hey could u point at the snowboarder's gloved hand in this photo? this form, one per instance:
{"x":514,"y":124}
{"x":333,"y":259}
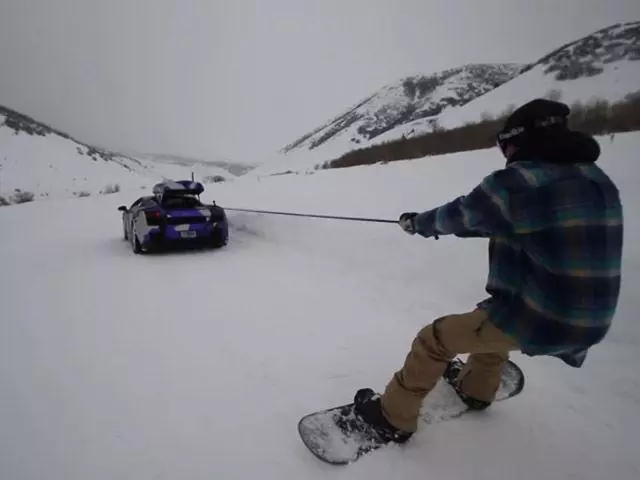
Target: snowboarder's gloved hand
{"x":406,"y":222}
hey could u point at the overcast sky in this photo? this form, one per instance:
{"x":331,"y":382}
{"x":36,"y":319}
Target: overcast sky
{"x":241,"y":78}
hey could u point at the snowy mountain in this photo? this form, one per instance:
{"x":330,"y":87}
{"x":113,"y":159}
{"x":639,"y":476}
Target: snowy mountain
{"x":37,"y":158}
{"x":409,"y":99}
{"x":605,"y":64}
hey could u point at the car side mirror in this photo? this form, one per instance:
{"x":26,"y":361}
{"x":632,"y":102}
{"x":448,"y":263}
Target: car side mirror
{"x":122,"y":208}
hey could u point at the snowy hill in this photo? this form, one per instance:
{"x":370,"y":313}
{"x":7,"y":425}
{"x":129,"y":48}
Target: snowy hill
{"x":412,"y":98}
{"x":198,"y":365}
{"x":37,"y":158}
{"x":605,"y":64}
{"x":49,"y":163}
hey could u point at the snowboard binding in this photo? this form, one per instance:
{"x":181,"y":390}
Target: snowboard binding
{"x":451,"y":374}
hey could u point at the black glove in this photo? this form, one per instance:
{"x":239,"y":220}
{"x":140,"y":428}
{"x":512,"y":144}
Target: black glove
{"x":406,"y":222}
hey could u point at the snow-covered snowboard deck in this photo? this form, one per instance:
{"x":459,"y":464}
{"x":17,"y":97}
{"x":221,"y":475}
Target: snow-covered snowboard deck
{"x":338,"y":436}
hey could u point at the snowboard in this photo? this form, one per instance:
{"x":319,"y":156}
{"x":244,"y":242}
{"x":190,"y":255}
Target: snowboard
{"x":338,"y":436}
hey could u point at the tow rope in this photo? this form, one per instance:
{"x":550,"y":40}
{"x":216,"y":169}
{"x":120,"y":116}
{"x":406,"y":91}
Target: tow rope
{"x":310,"y":215}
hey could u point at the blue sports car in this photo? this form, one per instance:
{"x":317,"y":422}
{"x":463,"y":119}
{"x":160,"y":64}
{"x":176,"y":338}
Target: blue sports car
{"x":173,"y":216}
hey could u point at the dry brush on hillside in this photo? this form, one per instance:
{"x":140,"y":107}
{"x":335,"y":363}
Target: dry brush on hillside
{"x":596,"y":117}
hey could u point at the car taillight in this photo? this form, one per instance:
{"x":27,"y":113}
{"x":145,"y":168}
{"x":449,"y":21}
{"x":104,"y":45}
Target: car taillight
{"x":153,"y":217}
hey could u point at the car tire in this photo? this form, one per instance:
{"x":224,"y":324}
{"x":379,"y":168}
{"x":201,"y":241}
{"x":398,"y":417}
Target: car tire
{"x":124,"y":229}
{"x":218,"y":240}
{"x":135,"y":244}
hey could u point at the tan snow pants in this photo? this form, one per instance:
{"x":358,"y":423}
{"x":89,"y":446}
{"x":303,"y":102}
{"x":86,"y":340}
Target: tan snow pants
{"x":432,"y":348}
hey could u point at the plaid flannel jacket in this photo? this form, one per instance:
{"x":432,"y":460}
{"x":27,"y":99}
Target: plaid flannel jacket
{"x":555,"y":249}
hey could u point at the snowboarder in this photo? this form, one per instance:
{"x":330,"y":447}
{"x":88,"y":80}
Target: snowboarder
{"x":555,"y":224}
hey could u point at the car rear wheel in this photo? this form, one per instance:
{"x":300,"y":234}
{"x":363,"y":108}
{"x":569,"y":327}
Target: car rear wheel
{"x":218,"y":240}
{"x":135,"y":244}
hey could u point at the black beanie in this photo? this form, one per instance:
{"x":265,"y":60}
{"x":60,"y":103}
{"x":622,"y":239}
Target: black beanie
{"x":532,"y":120}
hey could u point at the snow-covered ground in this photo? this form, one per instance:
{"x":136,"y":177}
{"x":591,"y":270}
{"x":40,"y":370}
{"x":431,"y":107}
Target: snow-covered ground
{"x":198,"y":365}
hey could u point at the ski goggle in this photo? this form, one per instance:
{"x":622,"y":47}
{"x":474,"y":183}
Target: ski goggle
{"x":503,"y":137}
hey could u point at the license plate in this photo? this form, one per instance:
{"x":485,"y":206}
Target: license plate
{"x":188,"y":234}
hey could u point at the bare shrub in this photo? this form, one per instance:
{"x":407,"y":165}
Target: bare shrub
{"x":214,"y":179}
{"x":625,"y":116}
{"x":22,"y":197}
{"x":508,"y":111}
{"x":109,"y":189}
{"x":435,"y":127}
{"x":595,"y":117}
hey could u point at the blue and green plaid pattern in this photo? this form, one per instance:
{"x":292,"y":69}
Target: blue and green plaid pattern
{"x":555,"y":252}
